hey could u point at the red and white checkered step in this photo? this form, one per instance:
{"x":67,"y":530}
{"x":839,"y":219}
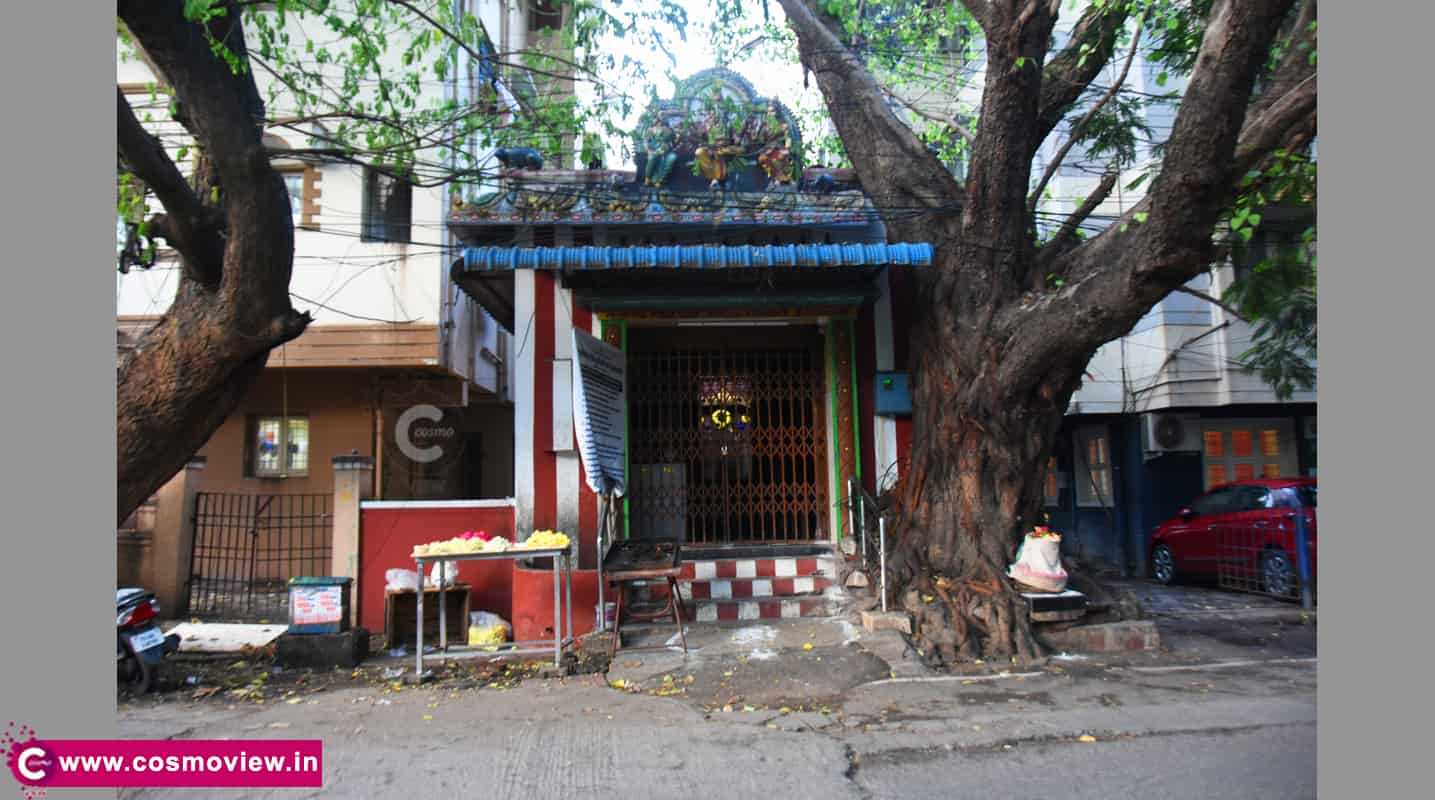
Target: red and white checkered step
{"x":760,"y":588}
{"x":771,"y":608}
{"x":755,"y":588}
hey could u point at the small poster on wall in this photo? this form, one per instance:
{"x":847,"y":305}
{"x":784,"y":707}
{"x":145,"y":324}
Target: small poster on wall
{"x":316,"y":605}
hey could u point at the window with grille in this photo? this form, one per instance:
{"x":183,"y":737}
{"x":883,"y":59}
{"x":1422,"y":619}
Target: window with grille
{"x":1093,"y":487}
{"x":294,"y":183}
{"x":1247,"y":449}
{"x":388,"y":208}
{"x":279,"y":447}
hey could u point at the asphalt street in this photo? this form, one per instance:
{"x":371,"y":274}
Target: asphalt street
{"x":1227,"y":710}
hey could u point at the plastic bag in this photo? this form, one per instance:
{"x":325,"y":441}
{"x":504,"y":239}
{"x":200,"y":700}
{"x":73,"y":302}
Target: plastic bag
{"x":1038,"y":564}
{"x":449,"y":570}
{"x":399,"y":580}
{"x":487,"y":629}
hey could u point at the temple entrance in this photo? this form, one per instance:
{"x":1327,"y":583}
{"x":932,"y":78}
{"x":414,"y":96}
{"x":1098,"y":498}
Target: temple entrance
{"x":727,"y":430}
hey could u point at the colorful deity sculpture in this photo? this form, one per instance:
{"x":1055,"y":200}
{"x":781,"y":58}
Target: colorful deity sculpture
{"x":658,"y":143}
{"x":775,"y":157}
{"x":713,"y":159}
{"x":721,"y":146}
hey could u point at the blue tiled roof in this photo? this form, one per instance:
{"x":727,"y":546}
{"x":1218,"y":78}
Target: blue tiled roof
{"x":696,"y":256}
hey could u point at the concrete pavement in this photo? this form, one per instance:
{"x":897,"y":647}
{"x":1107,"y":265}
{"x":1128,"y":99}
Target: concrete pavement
{"x":815,"y":708}
{"x":1230,"y":702}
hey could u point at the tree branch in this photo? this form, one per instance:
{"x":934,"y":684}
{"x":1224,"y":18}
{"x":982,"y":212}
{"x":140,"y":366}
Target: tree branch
{"x":1064,"y":235}
{"x":1166,"y":239}
{"x":1079,"y":129}
{"x":981,"y":10}
{"x":225,"y":114}
{"x":894,"y":167}
{"x":1226,"y":307}
{"x":1068,"y":74}
{"x":996,"y":245}
{"x":190,"y":227}
{"x":931,"y":116}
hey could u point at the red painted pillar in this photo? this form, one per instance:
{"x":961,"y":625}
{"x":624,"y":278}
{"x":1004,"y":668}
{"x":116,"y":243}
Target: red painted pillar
{"x":587,"y":498}
{"x":545,"y":463}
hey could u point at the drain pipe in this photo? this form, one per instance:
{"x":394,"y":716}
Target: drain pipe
{"x":882,"y":555}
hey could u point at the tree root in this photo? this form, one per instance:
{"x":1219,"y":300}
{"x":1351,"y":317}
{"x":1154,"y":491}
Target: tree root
{"x":980,"y":616}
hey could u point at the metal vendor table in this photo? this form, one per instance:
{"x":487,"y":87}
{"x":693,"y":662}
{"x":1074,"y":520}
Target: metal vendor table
{"x":562,"y":605}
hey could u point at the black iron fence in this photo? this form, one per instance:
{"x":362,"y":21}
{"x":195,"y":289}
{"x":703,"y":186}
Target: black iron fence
{"x":1275,"y":557}
{"x":248,"y":546}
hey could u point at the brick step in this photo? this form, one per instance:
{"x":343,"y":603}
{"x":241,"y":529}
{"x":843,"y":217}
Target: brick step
{"x":772,"y":608}
{"x":730,"y":568}
{"x":746,"y":588}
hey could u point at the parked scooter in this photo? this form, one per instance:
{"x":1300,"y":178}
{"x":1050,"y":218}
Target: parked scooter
{"x":141,"y":645}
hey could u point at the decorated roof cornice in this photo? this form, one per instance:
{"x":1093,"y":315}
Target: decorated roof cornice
{"x":715,"y":152}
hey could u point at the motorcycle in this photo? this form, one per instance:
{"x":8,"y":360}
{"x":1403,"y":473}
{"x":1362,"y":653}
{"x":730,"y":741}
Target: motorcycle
{"x":140,"y":644}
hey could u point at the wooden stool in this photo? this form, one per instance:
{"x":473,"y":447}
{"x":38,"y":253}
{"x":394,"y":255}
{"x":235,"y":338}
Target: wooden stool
{"x":674,"y":607}
{"x":633,"y":561}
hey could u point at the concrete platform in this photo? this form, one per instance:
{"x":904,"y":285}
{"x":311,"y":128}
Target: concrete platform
{"x":323,"y":649}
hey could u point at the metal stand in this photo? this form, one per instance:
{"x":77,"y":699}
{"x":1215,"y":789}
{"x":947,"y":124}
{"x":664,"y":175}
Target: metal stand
{"x":605,"y":505}
{"x":674,"y":607}
{"x":562,"y":603}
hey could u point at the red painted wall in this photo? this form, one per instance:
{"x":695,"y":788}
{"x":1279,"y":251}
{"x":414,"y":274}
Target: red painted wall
{"x":387,"y":538}
{"x":904,"y":443}
{"x":533,"y":613}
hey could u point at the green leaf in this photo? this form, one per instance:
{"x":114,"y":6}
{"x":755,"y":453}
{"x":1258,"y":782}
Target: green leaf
{"x":1139,"y":216}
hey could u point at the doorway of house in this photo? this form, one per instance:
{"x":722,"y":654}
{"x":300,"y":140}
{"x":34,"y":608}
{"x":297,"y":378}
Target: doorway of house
{"x":472,"y":465}
{"x":727,"y":435}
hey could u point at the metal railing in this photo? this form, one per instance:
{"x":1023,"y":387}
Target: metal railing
{"x":1268,"y":556}
{"x":865,"y":513}
{"x":247,"y":547}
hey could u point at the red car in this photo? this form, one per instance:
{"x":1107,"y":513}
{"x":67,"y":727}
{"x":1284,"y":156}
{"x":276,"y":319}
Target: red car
{"x":1244,"y":530}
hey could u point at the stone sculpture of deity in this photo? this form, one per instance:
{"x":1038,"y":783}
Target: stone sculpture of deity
{"x":658,"y":143}
{"x":775,"y":157}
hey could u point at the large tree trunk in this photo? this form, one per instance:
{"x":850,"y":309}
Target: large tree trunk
{"x":1004,"y":328}
{"x":974,"y":482}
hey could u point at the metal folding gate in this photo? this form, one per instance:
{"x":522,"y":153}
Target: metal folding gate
{"x":727,"y":442}
{"x":248,"y":546}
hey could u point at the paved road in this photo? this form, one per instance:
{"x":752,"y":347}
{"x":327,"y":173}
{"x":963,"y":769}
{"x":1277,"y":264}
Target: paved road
{"x":1226,"y":709}
{"x":1159,"y":735}
{"x":1263,"y":763}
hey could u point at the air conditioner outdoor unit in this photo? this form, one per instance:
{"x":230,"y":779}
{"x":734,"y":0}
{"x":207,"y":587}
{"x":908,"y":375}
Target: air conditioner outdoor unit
{"x":1170,"y":433}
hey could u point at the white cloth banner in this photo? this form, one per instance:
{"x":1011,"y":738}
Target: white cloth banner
{"x":599,"y":405}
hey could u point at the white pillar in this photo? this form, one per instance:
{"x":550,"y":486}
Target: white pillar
{"x":884,"y":429}
{"x":567,"y":461}
{"x":525,"y":346}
